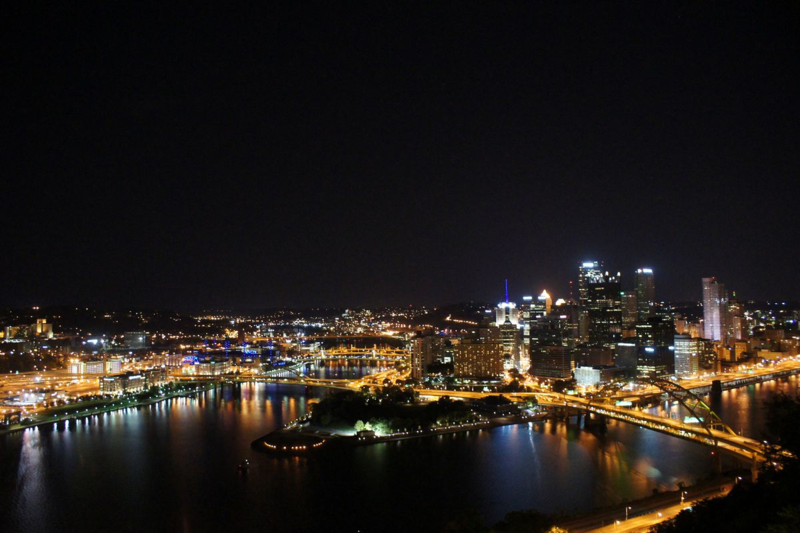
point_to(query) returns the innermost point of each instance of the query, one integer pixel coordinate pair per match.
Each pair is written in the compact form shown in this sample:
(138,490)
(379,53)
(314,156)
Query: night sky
(366,154)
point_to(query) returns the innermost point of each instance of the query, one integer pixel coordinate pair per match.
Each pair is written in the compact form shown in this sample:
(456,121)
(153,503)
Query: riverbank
(92,408)
(303,438)
(648,511)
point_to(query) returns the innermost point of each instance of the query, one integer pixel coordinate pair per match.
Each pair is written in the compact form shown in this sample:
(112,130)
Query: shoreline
(293,441)
(203,387)
(214,382)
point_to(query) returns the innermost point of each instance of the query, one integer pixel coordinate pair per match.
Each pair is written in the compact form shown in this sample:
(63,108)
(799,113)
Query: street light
(626,512)
(683,495)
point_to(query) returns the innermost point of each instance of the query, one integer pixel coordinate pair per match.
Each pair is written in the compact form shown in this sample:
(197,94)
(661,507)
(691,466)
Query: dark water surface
(173,467)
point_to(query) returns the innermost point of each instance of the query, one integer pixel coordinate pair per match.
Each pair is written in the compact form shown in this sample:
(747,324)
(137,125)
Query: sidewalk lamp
(683,495)
(626,512)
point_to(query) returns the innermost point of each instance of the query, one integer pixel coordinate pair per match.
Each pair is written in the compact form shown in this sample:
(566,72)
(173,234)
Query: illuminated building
(656,340)
(588,272)
(511,339)
(113,366)
(534,315)
(506,311)
(205,367)
(480,355)
(687,355)
(132,382)
(528,315)
(552,361)
(43,329)
(645,293)
(94,367)
(593,376)
(168,360)
(630,310)
(424,351)
(737,323)
(715,310)
(545,302)
(655,331)
(601,306)
(559,328)
(655,361)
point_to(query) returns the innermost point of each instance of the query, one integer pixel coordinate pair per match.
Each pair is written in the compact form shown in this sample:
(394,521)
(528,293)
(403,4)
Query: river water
(172,466)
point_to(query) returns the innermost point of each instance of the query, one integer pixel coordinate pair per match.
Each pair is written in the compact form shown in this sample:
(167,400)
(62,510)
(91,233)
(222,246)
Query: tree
(562,385)
(360,426)
(783,413)
(770,504)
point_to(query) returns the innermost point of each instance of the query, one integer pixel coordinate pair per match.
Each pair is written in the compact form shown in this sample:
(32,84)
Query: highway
(642,514)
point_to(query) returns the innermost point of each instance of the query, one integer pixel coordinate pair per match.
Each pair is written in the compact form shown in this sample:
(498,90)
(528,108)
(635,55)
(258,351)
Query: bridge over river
(721,439)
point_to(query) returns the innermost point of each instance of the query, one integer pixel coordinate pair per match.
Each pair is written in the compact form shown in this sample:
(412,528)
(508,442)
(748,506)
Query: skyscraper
(588,272)
(546,302)
(715,310)
(645,293)
(601,306)
(630,310)
(506,311)
(687,355)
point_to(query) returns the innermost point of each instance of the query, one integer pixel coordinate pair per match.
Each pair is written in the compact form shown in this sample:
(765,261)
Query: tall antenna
(506,291)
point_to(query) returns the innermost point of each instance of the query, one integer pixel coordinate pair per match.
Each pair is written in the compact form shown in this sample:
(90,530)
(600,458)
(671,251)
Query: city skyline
(458,266)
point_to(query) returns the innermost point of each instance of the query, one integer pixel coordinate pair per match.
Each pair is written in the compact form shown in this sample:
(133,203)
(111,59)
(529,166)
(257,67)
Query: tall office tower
(559,328)
(601,312)
(424,351)
(687,355)
(525,314)
(715,310)
(552,361)
(506,311)
(656,352)
(545,302)
(737,322)
(630,310)
(511,339)
(588,272)
(645,293)
(656,331)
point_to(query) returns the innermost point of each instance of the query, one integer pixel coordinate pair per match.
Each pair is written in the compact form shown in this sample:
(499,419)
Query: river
(172,466)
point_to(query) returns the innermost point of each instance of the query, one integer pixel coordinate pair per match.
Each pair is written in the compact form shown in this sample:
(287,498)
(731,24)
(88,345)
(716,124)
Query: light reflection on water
(172,467)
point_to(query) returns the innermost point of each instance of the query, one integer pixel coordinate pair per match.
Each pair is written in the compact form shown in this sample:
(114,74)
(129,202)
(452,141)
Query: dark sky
(393,153)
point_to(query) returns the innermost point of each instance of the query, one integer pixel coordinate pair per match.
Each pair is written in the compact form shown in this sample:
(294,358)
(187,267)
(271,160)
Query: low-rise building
(132,382)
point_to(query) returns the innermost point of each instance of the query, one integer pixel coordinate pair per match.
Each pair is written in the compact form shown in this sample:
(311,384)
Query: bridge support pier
(716,459)
(595,421)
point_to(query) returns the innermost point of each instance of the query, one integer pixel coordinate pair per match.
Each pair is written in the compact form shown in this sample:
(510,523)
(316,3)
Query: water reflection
(177,459)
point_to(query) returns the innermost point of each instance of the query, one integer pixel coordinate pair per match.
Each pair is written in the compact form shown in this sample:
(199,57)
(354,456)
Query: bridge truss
(699,409)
